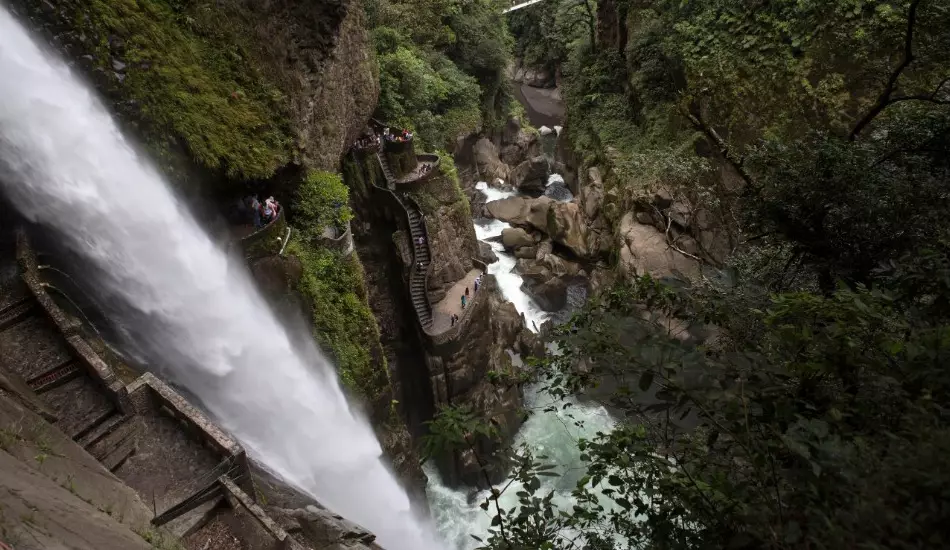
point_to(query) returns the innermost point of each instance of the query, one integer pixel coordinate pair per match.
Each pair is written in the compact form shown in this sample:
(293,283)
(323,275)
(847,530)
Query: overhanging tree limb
(885,98)
(737,162)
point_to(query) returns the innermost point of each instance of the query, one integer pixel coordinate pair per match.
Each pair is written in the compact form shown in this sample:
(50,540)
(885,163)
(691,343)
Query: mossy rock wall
(222,90)
(401,157)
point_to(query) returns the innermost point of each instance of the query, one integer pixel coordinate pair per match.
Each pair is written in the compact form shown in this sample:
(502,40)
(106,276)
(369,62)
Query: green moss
(192,82)
(343,323)
(442,189)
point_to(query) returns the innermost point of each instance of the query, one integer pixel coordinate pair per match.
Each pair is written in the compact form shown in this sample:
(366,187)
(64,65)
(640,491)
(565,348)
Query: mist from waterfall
(65,165)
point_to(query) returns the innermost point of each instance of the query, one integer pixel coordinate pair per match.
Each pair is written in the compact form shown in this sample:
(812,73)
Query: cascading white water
(553,433)
(66,166)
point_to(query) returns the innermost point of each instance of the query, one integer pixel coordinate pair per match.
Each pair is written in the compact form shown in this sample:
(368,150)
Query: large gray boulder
(522,211)
(644,251)
(541,284)
(530,176)
(490,166)
(515,237)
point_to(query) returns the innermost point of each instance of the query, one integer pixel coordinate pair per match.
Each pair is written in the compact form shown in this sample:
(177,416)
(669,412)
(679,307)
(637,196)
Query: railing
(267,240)
(448,339)
(425,275)
(414,268)
(343,243)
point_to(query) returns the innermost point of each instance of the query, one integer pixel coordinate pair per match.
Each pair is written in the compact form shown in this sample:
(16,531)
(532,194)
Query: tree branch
(712,135)
(885,98)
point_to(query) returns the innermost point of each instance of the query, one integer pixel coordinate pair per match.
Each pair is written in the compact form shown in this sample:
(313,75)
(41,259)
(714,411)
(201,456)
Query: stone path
(452,303)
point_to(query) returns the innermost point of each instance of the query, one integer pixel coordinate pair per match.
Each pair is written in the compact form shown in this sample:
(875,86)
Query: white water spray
(65,165)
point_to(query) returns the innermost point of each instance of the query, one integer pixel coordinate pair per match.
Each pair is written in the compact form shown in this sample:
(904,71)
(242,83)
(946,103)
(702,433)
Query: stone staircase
(421,255)
(387,171)
(32,347)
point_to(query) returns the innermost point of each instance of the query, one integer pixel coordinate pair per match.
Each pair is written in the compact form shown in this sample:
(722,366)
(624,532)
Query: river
(457,513)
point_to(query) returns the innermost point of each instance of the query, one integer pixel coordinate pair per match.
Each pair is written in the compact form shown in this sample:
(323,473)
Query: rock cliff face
(319,53)
(295,85)
(55,495)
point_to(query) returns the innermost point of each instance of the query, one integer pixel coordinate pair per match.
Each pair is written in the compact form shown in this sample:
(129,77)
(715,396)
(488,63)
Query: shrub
(321,201)
(343,323)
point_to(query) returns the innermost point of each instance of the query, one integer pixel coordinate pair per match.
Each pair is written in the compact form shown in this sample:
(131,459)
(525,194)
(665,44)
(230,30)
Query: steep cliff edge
(223,91)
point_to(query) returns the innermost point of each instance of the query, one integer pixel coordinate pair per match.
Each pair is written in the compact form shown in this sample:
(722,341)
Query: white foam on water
(66,166)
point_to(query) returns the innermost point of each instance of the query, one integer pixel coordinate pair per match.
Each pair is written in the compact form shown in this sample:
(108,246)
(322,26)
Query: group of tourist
(367,142)
(262,213)
(465,301)
(399,137)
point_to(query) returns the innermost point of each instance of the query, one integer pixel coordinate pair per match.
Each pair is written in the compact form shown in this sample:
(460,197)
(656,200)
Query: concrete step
(17,311)
(81,404)
(106,427)
(33,346)
(117,444)
(55,377)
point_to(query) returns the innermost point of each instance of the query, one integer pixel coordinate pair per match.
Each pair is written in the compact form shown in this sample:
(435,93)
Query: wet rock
(562,221)
(528,252)
(118,65)
(485,253)
(515,237)
(323,528)
(531,175)
(487,159)
(522,211)
(523,145)
(566,227)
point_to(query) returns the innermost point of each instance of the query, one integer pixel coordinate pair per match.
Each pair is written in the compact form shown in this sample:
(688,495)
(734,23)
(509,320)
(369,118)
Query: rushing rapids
(66,166)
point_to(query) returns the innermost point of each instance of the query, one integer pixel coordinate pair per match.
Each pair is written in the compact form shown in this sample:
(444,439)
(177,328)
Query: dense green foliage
(441,65)
(190,78)
(322,201)
(797,397)
(344,325)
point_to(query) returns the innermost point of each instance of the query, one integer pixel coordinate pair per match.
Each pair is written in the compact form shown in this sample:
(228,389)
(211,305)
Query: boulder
(490,166)
(515,237)
(644,250)
(680,214)
(559,266)
(522,211)
(592,194)
(530,175)
(562,221)
(644,217)
(566,227)
(522,146)
(528,252)
(485,253)
(550,295)
(662,199)
(549,291)
(322,528)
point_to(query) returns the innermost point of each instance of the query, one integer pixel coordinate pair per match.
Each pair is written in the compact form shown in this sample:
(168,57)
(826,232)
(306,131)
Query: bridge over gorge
(515,5)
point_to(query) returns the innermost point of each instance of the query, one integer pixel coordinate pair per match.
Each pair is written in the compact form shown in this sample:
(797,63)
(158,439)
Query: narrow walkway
(452,303)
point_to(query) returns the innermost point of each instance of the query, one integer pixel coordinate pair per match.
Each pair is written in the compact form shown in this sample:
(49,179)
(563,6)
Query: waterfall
(65,165)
